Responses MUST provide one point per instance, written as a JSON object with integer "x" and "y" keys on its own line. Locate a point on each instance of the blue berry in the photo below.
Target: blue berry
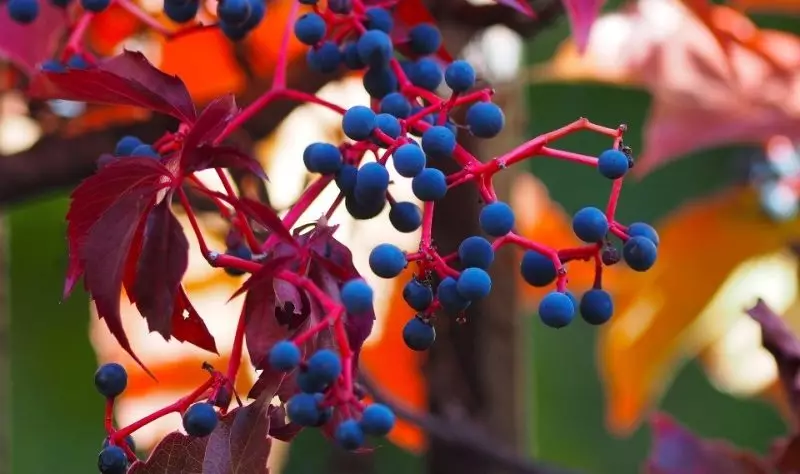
{"x": 346, "y": 178}
{"x": 379, "y": 19}
{"x": 303, "y": 409}
{"x": 181, "y": 11}
{"x": 126, "y": 145}
{"x": 387, "y": 261}
{"x": 309, "y": 2}
{"x": 380, "y": 81}
{"x": 377, "y": 420}
{"x": 95, "y": 6}
{"x": 556, "y": 310}
{"x": 310, "y": 29}
{"x": 51, "y": 65}
{"x": 60, "y": 3}
{"x": 640, "y": 229}
{"x": 375, "y": 48}
{"x": 372, "y": 181}
{"x": 485, "y": 119}
{"x": 77, "y": 61}
{"x": 426, "y": 74}
{"x": 357, "y": 296}
{"x": 396, "y": 104}
{"x": 474, "y": 284}
{"x": 351, "y": 58}
{"x": 496, "y": 219}
{"x": 452, "y": 301}
{"x": 324, "y": 58}
{"x": 438, "y": 142}
{"x": 233, "y": 12}
{"x": 308, "y": 383}
{"x": 323, "y": 158}
{"x": 239, "y": 251}
{"x": 639, "y": 253}
{"x": 590, "y": 225}
{"x": 612, "y": 164}
{"x": 429, "y": 185}
{"x": 424, "y": 39}
{"x": 325, "y": 414}
{"x": 596, "y": 306}
{"x": 233, "y": 32}
{"x": 325, "y": 366}
{"x": 284, "y": 356}
{"x": 409, "y": 160}
{"x": 258, "y": 9}
{"x": 200, "y": 420}
{"x": 128, "y": 440}
{"x": 110, "y": 380}
{"x": 23, "y": 11}
{"x": 419, "y": 334}
{"x": 405, "y": 216}
{"x": 341, "y": 7}
{"x": 145, "y": 151}
{"x": 417, "y": 295}
{"x": 358, "y": 122}
{"x": 389, "y": 125}
{"x": 349, "y": 435}
{"x": 476, "y": 252}
{"x": 112, "y": 460}
{"x": 537, "y": 269}
{"x": 459, "y": 76}
{"x": 364, "y": 209}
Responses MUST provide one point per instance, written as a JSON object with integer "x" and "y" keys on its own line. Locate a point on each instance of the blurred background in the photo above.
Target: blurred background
{"x": 712, "y": 106}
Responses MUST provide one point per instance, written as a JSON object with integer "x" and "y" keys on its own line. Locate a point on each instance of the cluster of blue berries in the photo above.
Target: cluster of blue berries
{"x": 26, "y": 11}
{"x": 315, "y": 404}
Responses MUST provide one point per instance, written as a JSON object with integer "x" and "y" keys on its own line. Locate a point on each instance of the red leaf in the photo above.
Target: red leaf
{"x": 582, "y": 14}
{"x": 240, "y": 443}
{"x": 209, "y": 125}
{"x": 175, "y": 454}
{"x": 519, "y": 5}
{"x": 678, "y": 451}
{"x": 279, "y": 427}
{"x": 191, "y": 328}
{"x": 162, "y": 263}
{"x": 29, "y": 45}
{"x": 126, "y": 79}
{"x": 409, "y": 13}
{"x": 267, "y": 218}
{"x": 226, "y": 157}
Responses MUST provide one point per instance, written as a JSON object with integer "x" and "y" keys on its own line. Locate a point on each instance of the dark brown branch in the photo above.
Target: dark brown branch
{"x": 460, "y": 433}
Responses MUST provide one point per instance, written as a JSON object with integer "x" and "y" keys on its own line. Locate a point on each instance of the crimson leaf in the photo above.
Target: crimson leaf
{"x": 125, "y": 79}
{"x": 267, "y": 218}
{"x": 191, "y": 328}
{"x": 162, "y": 263}
{"x": 175, "y": 454}
{"x": 28, "y": 45}
{"x": 240, "y": 443}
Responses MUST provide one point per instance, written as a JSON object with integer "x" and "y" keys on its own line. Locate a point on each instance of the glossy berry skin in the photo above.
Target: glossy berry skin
{"x": 23, "y": 11}
{"x": 145, "y": 150}
{"x": 409, "y": 160}
{"x": 396, "y": 104}
{"x": 474, "y": 284}
{"x": 639, "y": 253}
{"x": 363, "y": 210}
{"x": 417, "y": 295}
{"x": 438, "y": 142}
{"x": 200, "y": 420}
{"x": 310, "y": 29}
{"x": 95, "y": 6}
{"x": 405, "y": 216}
{"x": 556, "y": 310}
{"x": 613, "y": 164}
{"x": 375, "y": 48}
{"x": 357, "y": 296}
{"x": 640, "y": 229}
{"x": 476, "y": 252}
{"x": 380, "y": 81}
{"x": 424, "y": 39}
{"x": 303, "y": 409}
{"x": 349, "y": 435}
{"x": 496, "y": 219}
{"x": 387, "y": 261}
{"x": 358, "y": 122}
{"x": 308, "y": 383}
{"x": 351, "y": 58}
{"x": 418, "y": 335}
{"x": 389, "y": 125}
{"x": 323, "y": 158}
{"x": 233, "y": 12}
{"x": 111, "y": 380}
{"x": 459, "y": 76}
{"x": 112, "y": 460}
{"x": 325, "y": 414}
{"x": 451, "y": 299}
{"x": 324, "y": 58}
{"x": 126, "y": 145}
{"x": 485, "y": 119}
{"x": 180, "y": 11}
{"x": 240, "y": 251}
{"x": 284, "y": 356}
{"x": 325, "y": 366}
{"x": 537, "y": 269}
{"x": 372, "y": 181}
{"x": 590, "y": 225}
{"x": 429, "y": 185}
{"x": 76, "y": 61}
{"x": 52, "y": 65}
{"x": 379, "y": 19}
{"x": 596, "y": 306}
{"x": 377, "y": 420}
{"x": 426, "y": 73}
{"x": 346, "y": 178}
